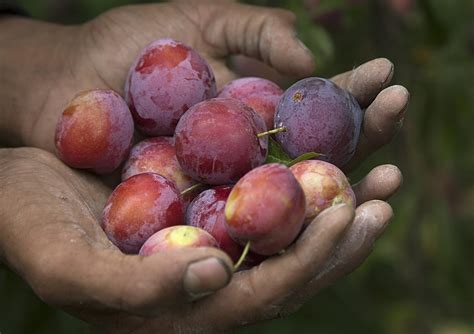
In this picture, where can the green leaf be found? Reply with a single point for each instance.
(304, 157)
(278, 155)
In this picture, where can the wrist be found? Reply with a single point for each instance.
(33, 56)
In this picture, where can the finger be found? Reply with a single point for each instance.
(370, 221)
(258, 293)
(382, 120)
(108, 280)
(267, 34)
(381, 183)
(367, 80)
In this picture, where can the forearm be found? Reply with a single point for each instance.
(31, 60)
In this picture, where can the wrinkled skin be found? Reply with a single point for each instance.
(49, 231)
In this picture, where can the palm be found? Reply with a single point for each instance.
(100, 283)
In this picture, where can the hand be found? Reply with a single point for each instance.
(104, 48)
(384, 106)
(50, 236)
(60, 231)
(99, 53)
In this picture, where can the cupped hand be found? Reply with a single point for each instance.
(50, 233)
(50, 236)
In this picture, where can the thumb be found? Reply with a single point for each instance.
(267, 34)
(148, 285)
(107, 280)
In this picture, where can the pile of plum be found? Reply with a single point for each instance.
(244, 169)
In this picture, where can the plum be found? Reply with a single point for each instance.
(138, 207)
(319, 117)
(94, 131)
(177, 237)
(216, 141)
(158, 155)
(266, 208)
(260, 94)
(324, 185)
(207, 212)
(166, 79)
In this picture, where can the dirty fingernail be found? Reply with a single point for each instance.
(206, 276)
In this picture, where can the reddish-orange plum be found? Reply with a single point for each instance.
(324, 185)
(158, 155)
(166, 79)
(216, 141)
(177, 237)
(138, 207)
(266, 208)
(260, 94)
(95, 131)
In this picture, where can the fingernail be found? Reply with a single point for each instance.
(389, 76)
(206, 276)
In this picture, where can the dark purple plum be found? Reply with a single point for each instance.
(216, 141)
(319, 117)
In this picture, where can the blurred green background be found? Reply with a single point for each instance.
(420, 276)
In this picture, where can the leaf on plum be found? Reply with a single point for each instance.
(278, 155)
(303, 157)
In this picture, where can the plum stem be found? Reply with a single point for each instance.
(270, 132)
(242, 256)
(193, 187)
